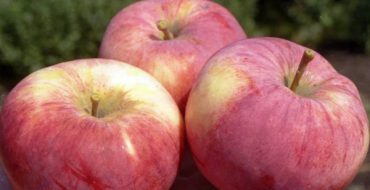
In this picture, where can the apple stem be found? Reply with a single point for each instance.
(94, 104)
(162, 25)
(307, 57)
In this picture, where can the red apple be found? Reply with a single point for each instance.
(90, 124)
(170, 39)
(249, 128)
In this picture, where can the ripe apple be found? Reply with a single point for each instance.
(251, 127)
(170, 39)
(90, 124)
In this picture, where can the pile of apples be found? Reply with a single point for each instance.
(178, 75)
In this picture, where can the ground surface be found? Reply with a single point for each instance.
(354, 66)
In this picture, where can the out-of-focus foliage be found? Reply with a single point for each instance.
(35, 34)
(366, 102)
(44, 32)
(310, 22)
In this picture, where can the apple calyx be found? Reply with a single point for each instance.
(162, 25)
(307, 57)
(95, 98)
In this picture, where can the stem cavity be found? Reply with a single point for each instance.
(162, 25)
(307, 57)
(94, 104)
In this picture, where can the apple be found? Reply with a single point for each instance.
(251, 127)
(170, 39)
(90, 124)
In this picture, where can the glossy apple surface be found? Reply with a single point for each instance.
(248, 130)
(51, 137)
(196, 30)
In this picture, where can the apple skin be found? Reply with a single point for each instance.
(50, 140)
(248, 131)
(200, 27)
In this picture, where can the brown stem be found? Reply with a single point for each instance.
(162, 25)
(94, 104)
(307, 57)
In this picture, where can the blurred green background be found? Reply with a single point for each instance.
(40, 33)
(44, 32)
